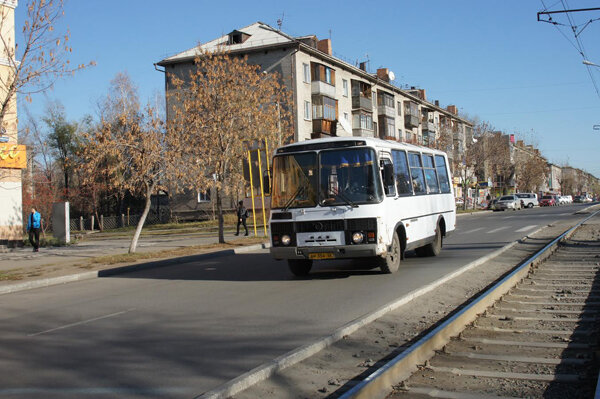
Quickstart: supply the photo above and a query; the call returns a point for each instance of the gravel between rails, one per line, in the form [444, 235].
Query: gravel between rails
[537, 342]
[335, 369]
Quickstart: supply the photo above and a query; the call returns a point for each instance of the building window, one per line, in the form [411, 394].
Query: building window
[400, 134]
[387, 126]
[204, 196]
[324, 108]
[346, 117]
[320, 72]
[345, 87]
[385, 99]
[399, 109]
[307, 110]
[374, 98]
[408, 136]
[306, 68]
[362, 121]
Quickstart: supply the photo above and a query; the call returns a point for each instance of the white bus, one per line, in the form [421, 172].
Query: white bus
[353, 197]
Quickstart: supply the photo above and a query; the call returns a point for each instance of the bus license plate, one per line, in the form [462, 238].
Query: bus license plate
[321, 255]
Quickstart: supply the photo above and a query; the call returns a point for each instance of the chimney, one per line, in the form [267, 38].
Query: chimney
[324, 46]
[422, 94]
[363, 66]
[383, 74]
[437, 103]
[520, 143]
[452, 109]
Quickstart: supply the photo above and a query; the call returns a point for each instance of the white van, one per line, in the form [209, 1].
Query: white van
[529, 199]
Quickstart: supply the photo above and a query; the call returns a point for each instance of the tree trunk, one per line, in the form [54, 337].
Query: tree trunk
[138, 229]
[220, 216]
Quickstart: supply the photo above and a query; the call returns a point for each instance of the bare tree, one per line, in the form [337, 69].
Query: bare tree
[42, 55]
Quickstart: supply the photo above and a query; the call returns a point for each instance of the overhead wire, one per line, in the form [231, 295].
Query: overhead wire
[578, 45]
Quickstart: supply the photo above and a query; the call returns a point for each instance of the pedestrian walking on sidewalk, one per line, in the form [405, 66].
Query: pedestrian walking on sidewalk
[34, 223]
[242, 215]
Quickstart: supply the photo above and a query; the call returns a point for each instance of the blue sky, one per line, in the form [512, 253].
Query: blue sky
[493, 59]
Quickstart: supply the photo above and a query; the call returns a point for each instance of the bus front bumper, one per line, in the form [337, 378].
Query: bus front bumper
[324, 253]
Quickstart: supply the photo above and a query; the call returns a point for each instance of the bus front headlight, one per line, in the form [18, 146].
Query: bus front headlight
[286, 240]
[358, 237]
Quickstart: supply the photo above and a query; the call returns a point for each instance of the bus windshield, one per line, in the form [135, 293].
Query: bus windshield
[349, 176]
[295, 180]
[335, 177]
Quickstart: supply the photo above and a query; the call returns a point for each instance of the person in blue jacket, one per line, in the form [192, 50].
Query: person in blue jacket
[34, 223]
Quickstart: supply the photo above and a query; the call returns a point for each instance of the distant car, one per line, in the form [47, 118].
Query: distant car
[548, 200]
[459, 201]
[529, 199]
[578, 199]
[587, 199]
[563, 200]
[508, 202]
[492, 204]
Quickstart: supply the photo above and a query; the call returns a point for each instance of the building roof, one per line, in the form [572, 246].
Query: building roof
[260, 35]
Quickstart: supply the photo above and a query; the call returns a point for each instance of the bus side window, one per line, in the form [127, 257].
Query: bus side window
[440, 167]
[401, 172]
[416, 171]
[387, 174]
[431, 178]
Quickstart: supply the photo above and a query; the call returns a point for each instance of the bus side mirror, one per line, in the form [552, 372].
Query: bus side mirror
[388, 174]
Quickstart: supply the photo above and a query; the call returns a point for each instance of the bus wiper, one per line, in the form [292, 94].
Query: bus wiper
[293, 198]
[346, 200]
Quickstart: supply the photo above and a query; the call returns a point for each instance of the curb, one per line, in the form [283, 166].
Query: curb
[268, 369]
[46, 282]
[474, 213]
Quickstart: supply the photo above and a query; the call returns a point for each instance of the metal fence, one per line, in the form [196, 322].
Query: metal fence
[114, 222]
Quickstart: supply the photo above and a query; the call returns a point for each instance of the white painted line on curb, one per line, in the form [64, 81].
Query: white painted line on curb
[81, 322]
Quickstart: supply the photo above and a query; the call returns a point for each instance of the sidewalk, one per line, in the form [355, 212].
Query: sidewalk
[23, 265]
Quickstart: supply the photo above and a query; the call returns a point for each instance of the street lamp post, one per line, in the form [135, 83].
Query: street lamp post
[586, 62]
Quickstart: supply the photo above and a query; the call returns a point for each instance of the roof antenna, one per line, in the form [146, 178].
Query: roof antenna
[280, 21]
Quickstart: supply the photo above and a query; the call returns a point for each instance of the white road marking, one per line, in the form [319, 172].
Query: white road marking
[526, 228]
[473, 231]
[81, 322]
[498, 229]
[507, 217]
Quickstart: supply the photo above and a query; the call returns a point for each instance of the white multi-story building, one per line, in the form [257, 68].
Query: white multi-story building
[330, 96]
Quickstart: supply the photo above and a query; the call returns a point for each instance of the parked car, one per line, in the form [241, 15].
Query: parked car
[459, 201]
[529, 199]
[562, 200]
[548, 200]
[492, 204]
[578, 199]
[508, 202]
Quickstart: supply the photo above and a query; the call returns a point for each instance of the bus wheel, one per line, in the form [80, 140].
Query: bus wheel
[300, 267]
[434, 248]
[391, 262]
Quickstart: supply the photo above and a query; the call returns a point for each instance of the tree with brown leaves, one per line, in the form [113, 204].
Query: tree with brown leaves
[222, 104]
[130, 152]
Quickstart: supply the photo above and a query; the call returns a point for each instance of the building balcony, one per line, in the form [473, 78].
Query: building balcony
[322, 88]
[411, 121]
[427, 126]
[362, 132]
[362, 102]
[324, 127]
[386, 110]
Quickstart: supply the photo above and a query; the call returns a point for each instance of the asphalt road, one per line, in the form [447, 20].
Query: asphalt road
[178, 331]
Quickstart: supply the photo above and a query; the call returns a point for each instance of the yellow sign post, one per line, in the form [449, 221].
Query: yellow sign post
[252, 193]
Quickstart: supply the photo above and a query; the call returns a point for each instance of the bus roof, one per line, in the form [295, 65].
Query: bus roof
[340, 142]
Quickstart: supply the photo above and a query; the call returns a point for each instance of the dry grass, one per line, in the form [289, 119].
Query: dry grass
[174, 253]
[10, 275]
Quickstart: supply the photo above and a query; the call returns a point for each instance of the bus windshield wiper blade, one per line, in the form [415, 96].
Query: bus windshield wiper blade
[293, 198]
[346, 200]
